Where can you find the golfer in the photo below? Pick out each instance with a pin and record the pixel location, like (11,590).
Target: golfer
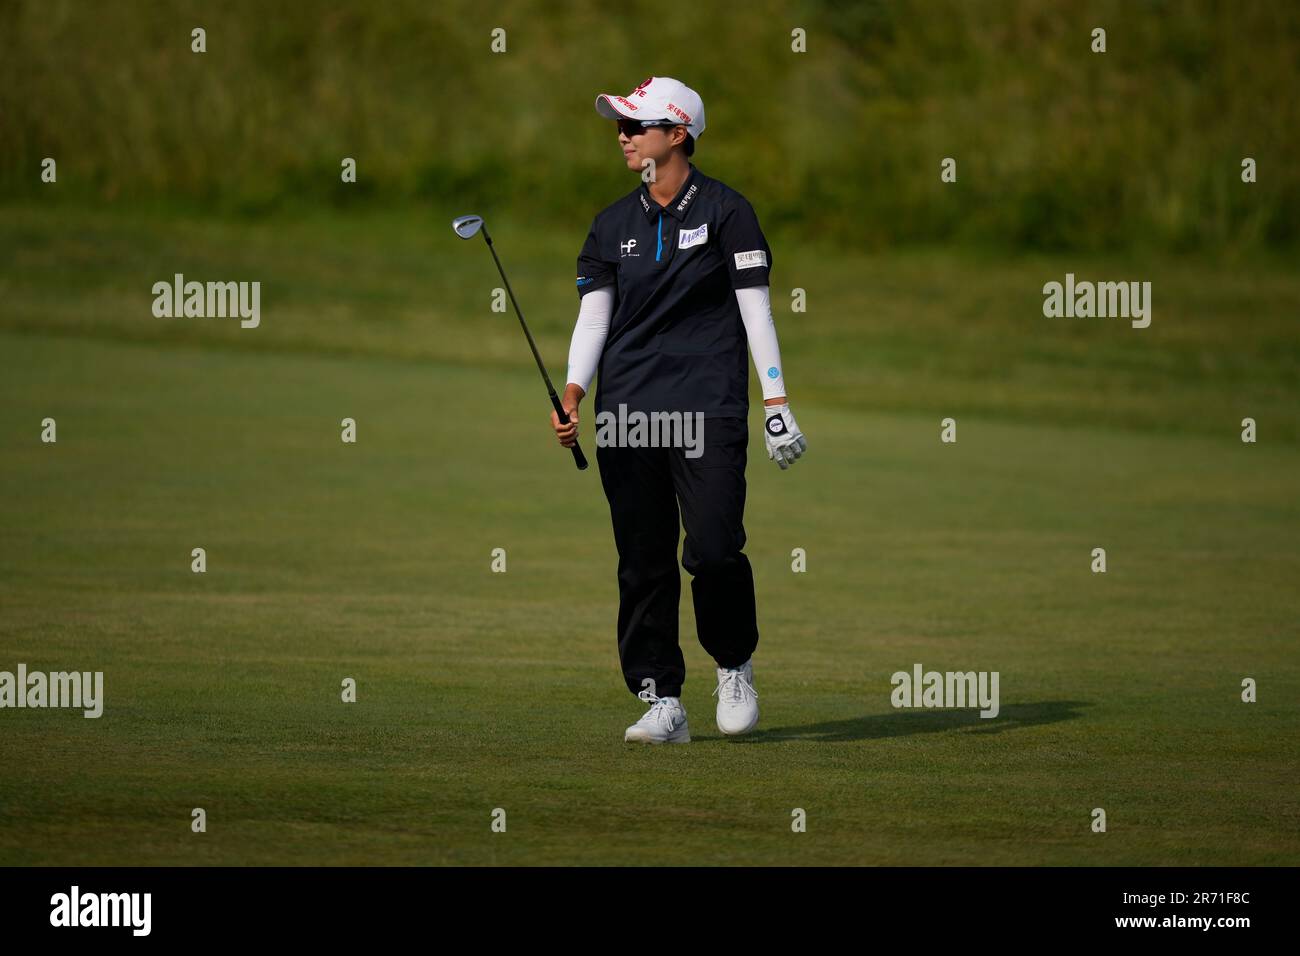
(673,280)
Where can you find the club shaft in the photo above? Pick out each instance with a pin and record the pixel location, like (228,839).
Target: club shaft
(579,458)
(515,302)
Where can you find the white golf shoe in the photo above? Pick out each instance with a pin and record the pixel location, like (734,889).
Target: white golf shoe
(663,723)
(737,699)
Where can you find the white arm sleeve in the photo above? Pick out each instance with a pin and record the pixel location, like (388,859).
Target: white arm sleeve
(589,336)
(756,311)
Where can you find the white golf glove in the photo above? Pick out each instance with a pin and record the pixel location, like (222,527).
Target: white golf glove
(785,442)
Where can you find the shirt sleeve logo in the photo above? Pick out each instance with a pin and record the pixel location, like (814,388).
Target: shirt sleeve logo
(693,237)
(748,260)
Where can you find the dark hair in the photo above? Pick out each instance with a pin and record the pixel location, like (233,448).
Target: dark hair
(690,145)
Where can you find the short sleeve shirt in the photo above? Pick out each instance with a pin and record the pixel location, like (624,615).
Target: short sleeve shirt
(676,340)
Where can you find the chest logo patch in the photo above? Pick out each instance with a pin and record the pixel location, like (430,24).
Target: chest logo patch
(693,237)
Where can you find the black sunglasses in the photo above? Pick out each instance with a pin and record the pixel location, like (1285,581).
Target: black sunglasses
(631,127)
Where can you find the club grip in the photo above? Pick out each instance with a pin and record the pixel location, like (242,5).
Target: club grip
(579,458)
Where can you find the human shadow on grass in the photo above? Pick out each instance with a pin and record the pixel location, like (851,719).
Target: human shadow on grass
(903,723)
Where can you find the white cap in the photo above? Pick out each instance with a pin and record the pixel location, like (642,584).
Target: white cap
(657,98)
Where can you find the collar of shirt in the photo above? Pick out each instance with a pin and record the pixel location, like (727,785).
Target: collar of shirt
(681,202)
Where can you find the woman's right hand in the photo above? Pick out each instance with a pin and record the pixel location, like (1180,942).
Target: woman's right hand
(567,435)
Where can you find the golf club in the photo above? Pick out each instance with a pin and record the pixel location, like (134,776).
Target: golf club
(465,227)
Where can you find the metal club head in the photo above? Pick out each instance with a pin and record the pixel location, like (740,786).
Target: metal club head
(467,226)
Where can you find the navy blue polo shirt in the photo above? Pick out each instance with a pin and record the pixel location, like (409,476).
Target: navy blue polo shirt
(676,340)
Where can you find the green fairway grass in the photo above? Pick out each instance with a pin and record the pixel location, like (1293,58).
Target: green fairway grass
(479,691)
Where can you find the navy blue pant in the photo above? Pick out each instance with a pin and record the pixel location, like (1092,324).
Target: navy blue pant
(645,487)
